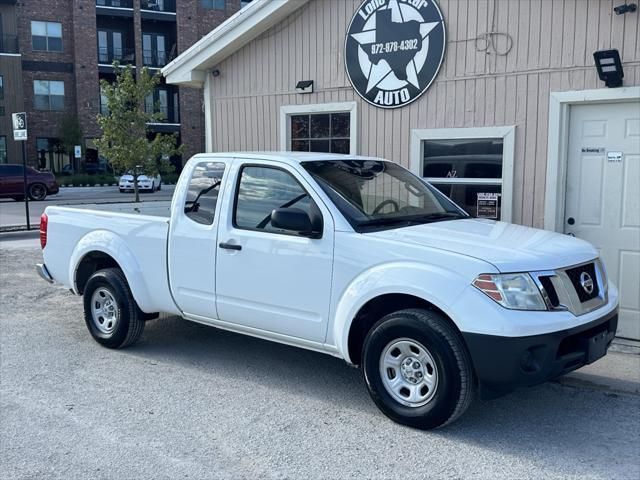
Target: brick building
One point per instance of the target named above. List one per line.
(53, 54)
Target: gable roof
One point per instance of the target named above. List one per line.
(191, 66)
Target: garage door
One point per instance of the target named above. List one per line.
(603, 196)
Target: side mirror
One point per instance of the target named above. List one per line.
(295, 220)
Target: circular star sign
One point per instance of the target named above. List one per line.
(394, 49)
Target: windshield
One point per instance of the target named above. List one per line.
(374, 194)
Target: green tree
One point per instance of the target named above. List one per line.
(126, 140)
(70, 135)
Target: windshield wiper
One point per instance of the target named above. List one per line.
(411, 220)
(194, 203)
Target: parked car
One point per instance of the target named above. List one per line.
(350, 256)
(97, 167)
(39, 184)
(147, 183)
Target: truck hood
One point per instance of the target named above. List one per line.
(509, 247)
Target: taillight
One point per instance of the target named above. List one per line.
(44, 223)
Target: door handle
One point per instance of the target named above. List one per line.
(230, 246)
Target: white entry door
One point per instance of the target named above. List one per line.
(603, 196)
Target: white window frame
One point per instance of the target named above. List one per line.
(507, 133)
(286, 111)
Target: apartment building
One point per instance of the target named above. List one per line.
(53, 55)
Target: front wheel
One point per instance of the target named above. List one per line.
(417, 369)
(110, 311)
(37, 192)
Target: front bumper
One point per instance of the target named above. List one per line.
(503, 364)
(129, 186)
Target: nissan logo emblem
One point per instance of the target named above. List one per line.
(587, 282)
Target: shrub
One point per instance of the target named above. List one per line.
(170, 178)
(81, 180)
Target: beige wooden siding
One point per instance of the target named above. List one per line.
(552, 42)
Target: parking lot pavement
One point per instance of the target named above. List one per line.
(12, 213)
(191, 401)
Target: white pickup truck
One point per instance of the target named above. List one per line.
(350, 256)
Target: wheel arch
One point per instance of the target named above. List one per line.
(387, 288)
(378, 307)
(103, 249)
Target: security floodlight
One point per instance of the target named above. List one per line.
(609, 67)
(304, 86)
(626, 8)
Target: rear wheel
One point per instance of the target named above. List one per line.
(110, 311)
(37, 192)
(417, 369)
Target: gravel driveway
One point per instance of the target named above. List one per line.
(194, 402)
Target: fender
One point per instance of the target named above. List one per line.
(434, 284)
(114, 246)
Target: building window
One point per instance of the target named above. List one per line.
(3, 149)
(104, 107)
(48, 95)
(202, 194)
(158, 102)
(328, 127)
(473, 167)
(320, 132)
(1, 87)
(46, 36)
(214, 4)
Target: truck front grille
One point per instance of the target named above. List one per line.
(579, 289)
(575, 275)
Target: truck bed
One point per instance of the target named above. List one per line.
(138, 241)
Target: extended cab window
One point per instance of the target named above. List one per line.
(202, 194)
(263, 189)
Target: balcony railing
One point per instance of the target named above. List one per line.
(9, 44)
(156, 58)
(158, 5)
(122, 55)
(115, 3)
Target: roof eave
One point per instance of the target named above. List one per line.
(190, 67)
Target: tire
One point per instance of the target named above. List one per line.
(430, 362)
(121, 322)
(37, 192)
(153, 188)
(160, 186)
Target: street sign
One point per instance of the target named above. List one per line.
(19, 126)
(77, 151)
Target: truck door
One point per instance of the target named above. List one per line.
(269, 279)
(193, 237)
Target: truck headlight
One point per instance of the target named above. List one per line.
(516, 291)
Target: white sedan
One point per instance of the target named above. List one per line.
(145, 182)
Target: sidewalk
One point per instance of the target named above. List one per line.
(618, 372)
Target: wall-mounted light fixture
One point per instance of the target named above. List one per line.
(304, 86)
(626, 8)
(609, 67)
(215, 73)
